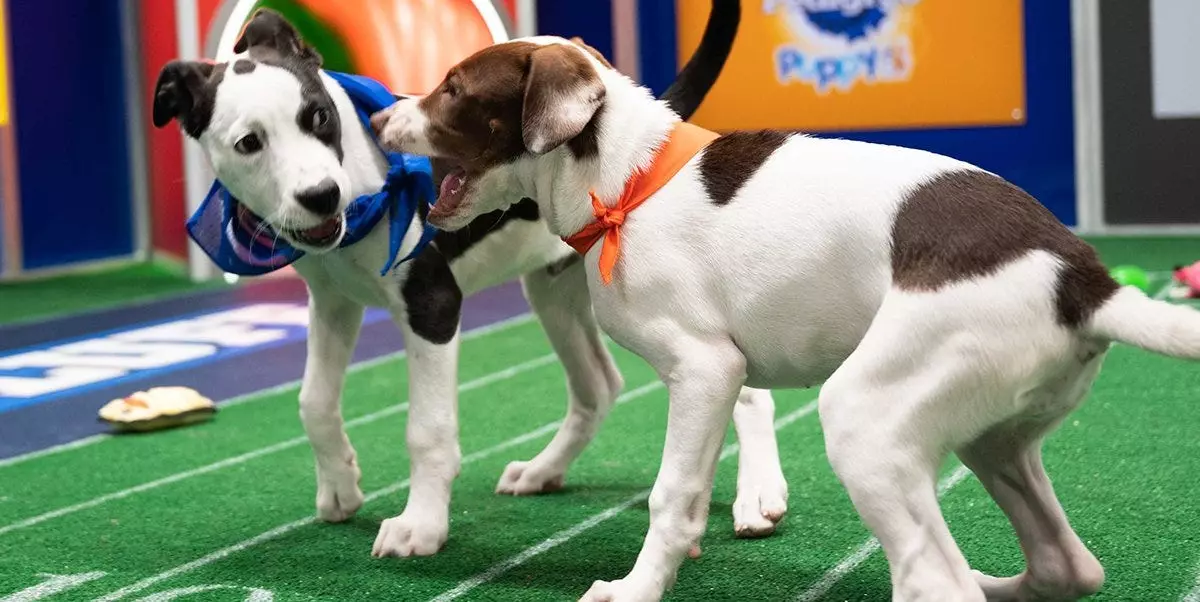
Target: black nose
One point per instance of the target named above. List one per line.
(321, 199)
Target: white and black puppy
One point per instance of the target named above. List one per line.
(284, 138)
(944, 309)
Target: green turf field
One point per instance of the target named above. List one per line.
(223, 511)
(43, 298)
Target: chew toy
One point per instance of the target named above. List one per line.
(158, 408)
(1189, 277)
(1130, 275)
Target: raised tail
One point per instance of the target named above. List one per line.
(1129, 316)
(701, 71)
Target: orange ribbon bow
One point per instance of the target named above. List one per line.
(683, 143)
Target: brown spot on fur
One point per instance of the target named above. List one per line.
(578, 41)
(243, 66)
(490, 105)
(475, 113)
(966, 224)
(729, 161)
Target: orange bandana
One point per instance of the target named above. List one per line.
(684, 142)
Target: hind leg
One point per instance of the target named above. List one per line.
(889, 468)
(1008, 462)
(562, 305)
(761, 487)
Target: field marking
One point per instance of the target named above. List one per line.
(281, 530)
(1194, 594)
(470, 385)
(474, 333)
(869, 547)
(571, 532)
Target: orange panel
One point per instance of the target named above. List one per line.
(866, 65)
(406, 44)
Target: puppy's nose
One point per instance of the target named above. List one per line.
(380, 119)
(321, 199)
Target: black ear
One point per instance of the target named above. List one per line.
(268, 29)
(183, 92)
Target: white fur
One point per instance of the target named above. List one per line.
(342, 281)
(790, 285)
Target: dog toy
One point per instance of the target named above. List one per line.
(1131, 275)
(1189, 277)
(158, 408)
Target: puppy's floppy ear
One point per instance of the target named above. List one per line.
(269, 29)
(182, 87)
(562, 94)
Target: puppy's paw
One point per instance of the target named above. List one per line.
(410, 535)
(525, 478)
(338, 494)
(759, 506)
(617, 591)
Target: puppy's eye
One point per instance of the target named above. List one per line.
(248, 144)
(450, 89)
(320, 117)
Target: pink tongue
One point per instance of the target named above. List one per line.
(326, 228)
(452, 184)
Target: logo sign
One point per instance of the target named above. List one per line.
(843, 42)
(32, 375)
(829, 65)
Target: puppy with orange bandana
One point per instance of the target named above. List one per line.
(974, 323)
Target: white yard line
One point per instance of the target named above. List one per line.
(1194, 594)
(578, 529)
(471, 385)
(869, 547)
(374, 495)
(281, 388)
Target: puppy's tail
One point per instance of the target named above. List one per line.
(1129, 316)
(701, 71)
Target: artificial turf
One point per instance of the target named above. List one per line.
(222, 511)
(36, 299)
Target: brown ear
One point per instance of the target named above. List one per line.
(562, 94)
(578, 41)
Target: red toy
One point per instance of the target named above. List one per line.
(1189, 277)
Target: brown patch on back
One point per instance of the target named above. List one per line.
(729, 161)
(967, 224)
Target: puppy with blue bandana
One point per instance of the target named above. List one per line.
(302, 181)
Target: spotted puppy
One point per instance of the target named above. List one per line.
(284, 137)
(944, 309)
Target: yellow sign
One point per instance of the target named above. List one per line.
(823, 65)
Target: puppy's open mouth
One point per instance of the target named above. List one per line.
(320, 236)
(453, 189)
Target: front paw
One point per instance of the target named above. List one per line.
(525, 478)
(338, 494)
(621, 590)
(410, 535)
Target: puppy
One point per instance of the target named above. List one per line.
(285, 139)
(944, 309)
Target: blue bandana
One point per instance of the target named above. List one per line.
(239, 242)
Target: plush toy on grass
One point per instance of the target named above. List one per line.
(1131, 275)
(1188, 276)
(158, 408)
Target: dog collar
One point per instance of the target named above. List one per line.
(683, 143)
(242, 243)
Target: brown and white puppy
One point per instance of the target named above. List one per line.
(285, 139)
(973, 322)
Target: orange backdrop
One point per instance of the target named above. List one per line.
(928, 63)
